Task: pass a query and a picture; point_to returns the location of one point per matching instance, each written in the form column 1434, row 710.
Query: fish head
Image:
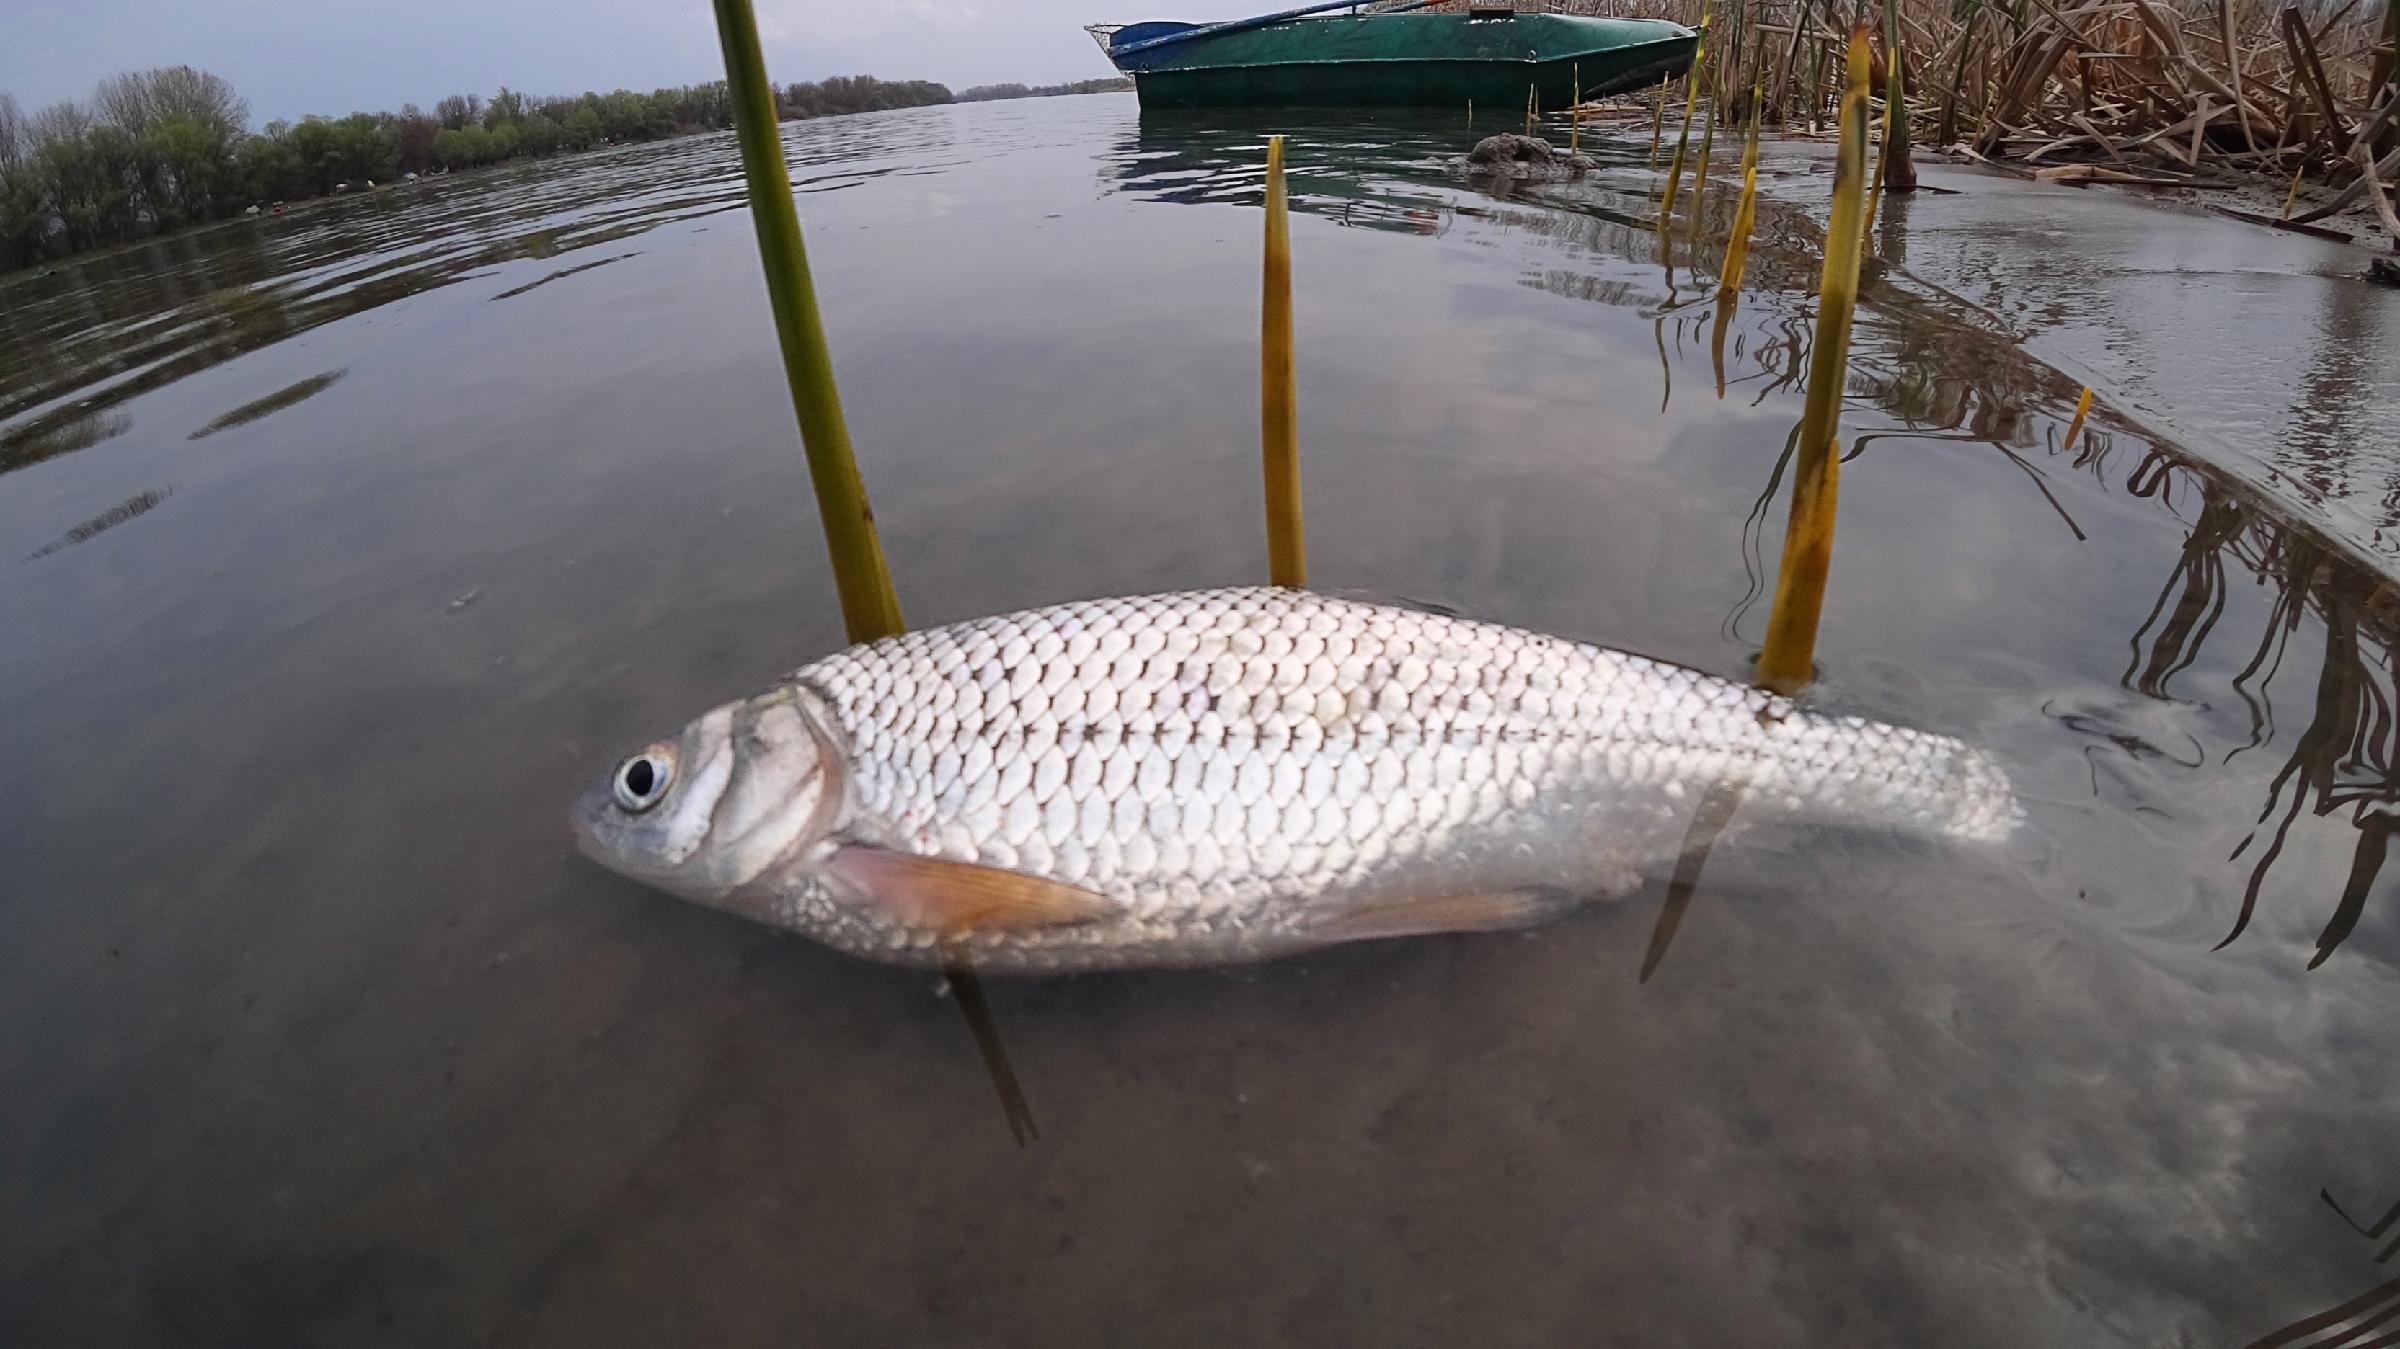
column 706, row 810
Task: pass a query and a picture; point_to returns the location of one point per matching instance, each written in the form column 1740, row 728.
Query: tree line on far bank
column 985, row 92
column 157, row 150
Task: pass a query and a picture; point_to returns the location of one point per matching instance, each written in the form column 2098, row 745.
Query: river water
column 339, row 550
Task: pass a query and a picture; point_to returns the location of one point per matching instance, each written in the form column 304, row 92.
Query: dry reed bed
column 2196, row 93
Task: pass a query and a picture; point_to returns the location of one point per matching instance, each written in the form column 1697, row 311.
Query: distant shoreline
column 308, row 205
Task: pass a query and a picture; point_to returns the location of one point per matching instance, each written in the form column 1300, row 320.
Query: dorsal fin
column 949, row 897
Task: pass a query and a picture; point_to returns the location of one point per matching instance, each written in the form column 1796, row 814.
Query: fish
column 1223, row 776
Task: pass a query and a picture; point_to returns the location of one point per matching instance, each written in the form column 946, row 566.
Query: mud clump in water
column 1509, row 155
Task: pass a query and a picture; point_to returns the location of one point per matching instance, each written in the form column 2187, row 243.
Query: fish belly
column 1246, row 773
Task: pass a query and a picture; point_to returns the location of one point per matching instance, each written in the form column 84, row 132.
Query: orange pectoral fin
column 955, row 897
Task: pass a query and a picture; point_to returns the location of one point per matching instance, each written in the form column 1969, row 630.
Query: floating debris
column 1509, row 155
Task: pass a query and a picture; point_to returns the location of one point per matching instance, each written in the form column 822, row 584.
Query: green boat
column 1393, row 58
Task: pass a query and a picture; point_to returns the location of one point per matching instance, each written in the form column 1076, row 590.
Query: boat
column 1393, row 57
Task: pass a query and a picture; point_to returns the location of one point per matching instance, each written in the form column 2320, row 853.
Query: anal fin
column 1417, row 915
column 957, row 897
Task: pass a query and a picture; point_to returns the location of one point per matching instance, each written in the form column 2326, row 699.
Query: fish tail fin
column 1852, row 771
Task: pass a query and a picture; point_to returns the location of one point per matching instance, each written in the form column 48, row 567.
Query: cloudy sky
column 294, row 57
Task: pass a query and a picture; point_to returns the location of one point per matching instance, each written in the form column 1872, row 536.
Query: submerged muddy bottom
column 314, row 1030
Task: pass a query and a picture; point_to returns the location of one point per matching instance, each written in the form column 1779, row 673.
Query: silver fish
column 1225, row 776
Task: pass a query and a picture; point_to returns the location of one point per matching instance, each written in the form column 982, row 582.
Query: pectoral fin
column 954, row 897
column 1417, row 915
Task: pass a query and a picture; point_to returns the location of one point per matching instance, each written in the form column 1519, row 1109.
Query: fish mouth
column 584, row 819
column 589, row 819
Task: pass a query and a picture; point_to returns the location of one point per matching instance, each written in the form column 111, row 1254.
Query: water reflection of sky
column 313, row 1028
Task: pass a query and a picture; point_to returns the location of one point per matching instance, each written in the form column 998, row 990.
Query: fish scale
column 1234, row 766
column 1235, row 774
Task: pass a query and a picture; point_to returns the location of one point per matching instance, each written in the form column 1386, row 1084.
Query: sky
column 291, row 58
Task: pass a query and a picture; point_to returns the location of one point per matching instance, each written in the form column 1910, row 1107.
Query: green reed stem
column 1786, row 664
column 1278, row 405
column 1899, row 170
column 870, row 609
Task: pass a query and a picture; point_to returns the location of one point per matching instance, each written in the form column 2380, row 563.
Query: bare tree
column 14, row 145
column 458, row 110
column 180, row 91
column 138, row 100
column 61, row 121
column 123, row 101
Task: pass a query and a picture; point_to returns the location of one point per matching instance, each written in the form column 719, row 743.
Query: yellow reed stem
column 1278, row 411
column 2083, row 406
column 1786, row 664
column 870, row 609
column 1882, row 160
column 2293, row 195
column 1683, row 137
column 1575, row 114
column 1737, row 247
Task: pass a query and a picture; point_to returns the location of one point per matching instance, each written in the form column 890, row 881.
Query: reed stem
column 1787, row 662
column 1683, row 137
column 1658, row 120
column 2083, row 406
column 1575, row 114
column 1899, row 170
column 1737, row 246
column 1278, row 410
column 870, row 609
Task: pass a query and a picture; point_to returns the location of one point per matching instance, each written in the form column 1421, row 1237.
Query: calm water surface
column 339, row 550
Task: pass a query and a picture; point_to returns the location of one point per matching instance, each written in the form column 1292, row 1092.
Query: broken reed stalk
column 2083, row 406
column 870, row 609
column 1787, row 661
column 1278, row 408
column 1737, row 247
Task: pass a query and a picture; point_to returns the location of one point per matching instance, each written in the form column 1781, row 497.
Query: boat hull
column 1408, row 60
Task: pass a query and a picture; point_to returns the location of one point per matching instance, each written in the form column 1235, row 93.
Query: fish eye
column 643, row 779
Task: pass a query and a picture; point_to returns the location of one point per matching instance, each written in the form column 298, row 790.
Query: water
column 314, row 1031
